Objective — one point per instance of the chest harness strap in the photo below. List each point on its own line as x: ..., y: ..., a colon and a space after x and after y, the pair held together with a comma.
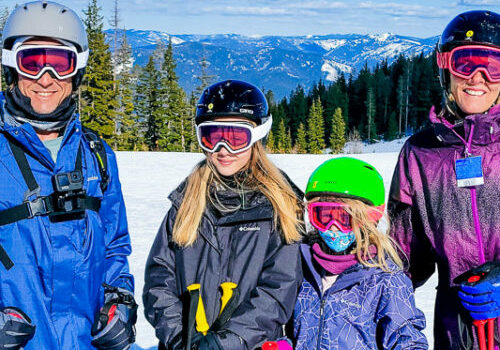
x: 68, y: 201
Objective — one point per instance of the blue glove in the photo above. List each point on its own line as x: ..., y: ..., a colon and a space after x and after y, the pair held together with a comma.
x: 16, y: 329
x: 113, y: 328
x: 481, y: 295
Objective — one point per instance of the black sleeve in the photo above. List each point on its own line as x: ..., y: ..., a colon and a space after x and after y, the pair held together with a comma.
x: 162, y: 304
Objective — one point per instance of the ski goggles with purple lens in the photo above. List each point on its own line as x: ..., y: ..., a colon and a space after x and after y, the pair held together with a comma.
x: 465, y: 61
x: 235, y: 136
x: 322, y: 215
x: 33, y: 61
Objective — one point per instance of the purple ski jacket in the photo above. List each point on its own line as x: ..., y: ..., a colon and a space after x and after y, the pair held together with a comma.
x: 437, y: 223
x: 365, y: 309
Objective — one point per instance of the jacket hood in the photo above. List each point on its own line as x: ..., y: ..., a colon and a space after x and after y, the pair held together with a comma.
x: 485, y: 128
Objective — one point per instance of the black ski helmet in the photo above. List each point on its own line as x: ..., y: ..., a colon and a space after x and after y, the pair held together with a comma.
x: 232, y: 98
x: 468, y: 28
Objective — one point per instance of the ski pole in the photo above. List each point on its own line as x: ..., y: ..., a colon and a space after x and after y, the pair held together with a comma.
x: 481, y: 336
x: 194, y: 295
x: 201, y: 318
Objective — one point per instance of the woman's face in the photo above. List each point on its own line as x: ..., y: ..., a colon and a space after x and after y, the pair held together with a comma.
x: 227, y: 163
x: 474, y: 95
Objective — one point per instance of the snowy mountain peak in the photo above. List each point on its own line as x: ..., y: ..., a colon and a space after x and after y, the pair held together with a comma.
x: 277, y: 63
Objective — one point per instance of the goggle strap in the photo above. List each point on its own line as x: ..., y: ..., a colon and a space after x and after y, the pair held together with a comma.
x: 9, y: 58
x: 259, y: 132
x: 442, y: 59
x: 81, y: 59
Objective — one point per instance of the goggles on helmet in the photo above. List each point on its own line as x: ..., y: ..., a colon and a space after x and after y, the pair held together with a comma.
x: 235, y: 136
x: 33, y: 61
x: 465, y: 61
x: 322, y: 215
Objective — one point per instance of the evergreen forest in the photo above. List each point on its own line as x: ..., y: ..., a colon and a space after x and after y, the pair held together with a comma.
x: 144, y: 108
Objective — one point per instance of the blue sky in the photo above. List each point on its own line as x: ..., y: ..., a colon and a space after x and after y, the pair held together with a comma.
x: 419, y: 18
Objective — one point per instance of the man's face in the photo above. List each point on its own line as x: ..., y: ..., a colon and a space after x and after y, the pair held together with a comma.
x: 46, y: 93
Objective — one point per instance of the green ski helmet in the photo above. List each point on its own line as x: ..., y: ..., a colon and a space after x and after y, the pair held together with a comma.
x: 347, y: 177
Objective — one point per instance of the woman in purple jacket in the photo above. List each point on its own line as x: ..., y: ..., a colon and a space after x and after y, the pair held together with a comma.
x: 354, y: 294
x: 446, y: 186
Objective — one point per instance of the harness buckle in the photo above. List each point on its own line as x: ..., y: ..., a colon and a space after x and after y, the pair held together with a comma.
x: 38, y: 206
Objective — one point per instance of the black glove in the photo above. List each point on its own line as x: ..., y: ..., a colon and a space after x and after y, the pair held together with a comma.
x: 113, y: 328
x: 16, y: 329
x: 207, y: 342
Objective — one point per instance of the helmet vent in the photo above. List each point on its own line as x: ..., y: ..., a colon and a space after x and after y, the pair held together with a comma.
x: 368, y: 167
x: 25, y: 7
x: 63, y: 10
x: 44, y: 5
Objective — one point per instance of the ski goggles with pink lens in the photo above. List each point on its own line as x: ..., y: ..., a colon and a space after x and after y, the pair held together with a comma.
x: 322, y: 215
x: 33, y: 61
x: 235, y: 136
x: 465, y: 61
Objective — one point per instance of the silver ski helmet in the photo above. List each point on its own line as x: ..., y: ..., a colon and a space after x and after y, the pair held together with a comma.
x: 44, y: 19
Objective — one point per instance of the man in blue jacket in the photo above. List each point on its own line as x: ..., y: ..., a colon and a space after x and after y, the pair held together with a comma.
x: 64, y: 242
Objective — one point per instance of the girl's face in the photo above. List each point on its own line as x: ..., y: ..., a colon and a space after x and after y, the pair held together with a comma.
x: 474, y: 95
x: 227, y: 163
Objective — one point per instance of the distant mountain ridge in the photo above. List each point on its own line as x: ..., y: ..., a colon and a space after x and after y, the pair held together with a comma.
x: 277, y: 63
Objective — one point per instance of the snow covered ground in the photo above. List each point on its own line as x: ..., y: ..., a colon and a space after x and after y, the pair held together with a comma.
x: 147, y: 179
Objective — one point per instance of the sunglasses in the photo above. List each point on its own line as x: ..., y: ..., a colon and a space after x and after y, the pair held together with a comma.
x: 235, y: 136
x: 33, y: 61
x: 465, y: 61
x: 322, y: 215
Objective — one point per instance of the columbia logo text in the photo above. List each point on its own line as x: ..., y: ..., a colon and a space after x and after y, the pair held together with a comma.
x: 243, y: 228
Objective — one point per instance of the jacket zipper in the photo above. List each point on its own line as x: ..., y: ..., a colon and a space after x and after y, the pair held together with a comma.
x: 321, y: 312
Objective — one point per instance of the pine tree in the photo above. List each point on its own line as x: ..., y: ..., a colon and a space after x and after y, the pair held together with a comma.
x: 126, y: 126
x: 370, y: 115
x: 281, y: 135
x: 288, y: 142
x: 337, y: 135
x: 4, y: 13
x: 270, y: 142
x: 392, y: 127
x: 301, y: 144
x: 98, y: 97
x: 148, y: 104
x: 176, y: 135
x: 316, y: 129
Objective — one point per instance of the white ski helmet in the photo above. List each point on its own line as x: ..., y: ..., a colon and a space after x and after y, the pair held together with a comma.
x: 44, y: 19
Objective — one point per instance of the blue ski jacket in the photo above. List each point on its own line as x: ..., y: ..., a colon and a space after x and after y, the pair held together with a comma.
x: 59, y: 267
x: 366, y: 308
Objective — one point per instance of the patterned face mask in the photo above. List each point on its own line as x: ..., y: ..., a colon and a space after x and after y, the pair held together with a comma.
x: 337, y: 241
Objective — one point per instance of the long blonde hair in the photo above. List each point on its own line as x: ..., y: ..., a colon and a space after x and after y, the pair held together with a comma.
x: 262, y: 176
x: 367, y: 232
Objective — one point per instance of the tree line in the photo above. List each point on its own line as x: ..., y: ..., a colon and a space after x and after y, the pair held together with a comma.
x: 144, y: 108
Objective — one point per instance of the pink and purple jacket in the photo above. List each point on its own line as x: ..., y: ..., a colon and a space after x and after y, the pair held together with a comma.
x: 437, y: 223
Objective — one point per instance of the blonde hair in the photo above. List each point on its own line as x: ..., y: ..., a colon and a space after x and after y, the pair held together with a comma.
x: 367, y: 233
x: 262, y: 176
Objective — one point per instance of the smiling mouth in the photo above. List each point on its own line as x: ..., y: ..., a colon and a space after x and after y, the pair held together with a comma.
x: 474, y: 92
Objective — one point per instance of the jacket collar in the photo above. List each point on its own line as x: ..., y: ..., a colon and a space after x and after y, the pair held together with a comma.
x: 351, y: 276
x: 483, y: 128
x: 26, y: 136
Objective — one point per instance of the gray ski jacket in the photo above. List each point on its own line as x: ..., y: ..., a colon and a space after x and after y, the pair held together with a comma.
x: 243, y: 247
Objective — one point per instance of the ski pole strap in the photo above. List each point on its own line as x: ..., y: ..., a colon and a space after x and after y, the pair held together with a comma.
x: 194, y: 297
x: 229, y: 299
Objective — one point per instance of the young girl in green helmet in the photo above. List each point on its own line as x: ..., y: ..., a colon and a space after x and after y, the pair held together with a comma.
x: 354, y: 294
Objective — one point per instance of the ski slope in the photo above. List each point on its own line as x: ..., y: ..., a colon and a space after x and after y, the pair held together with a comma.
x: 148, y: 177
